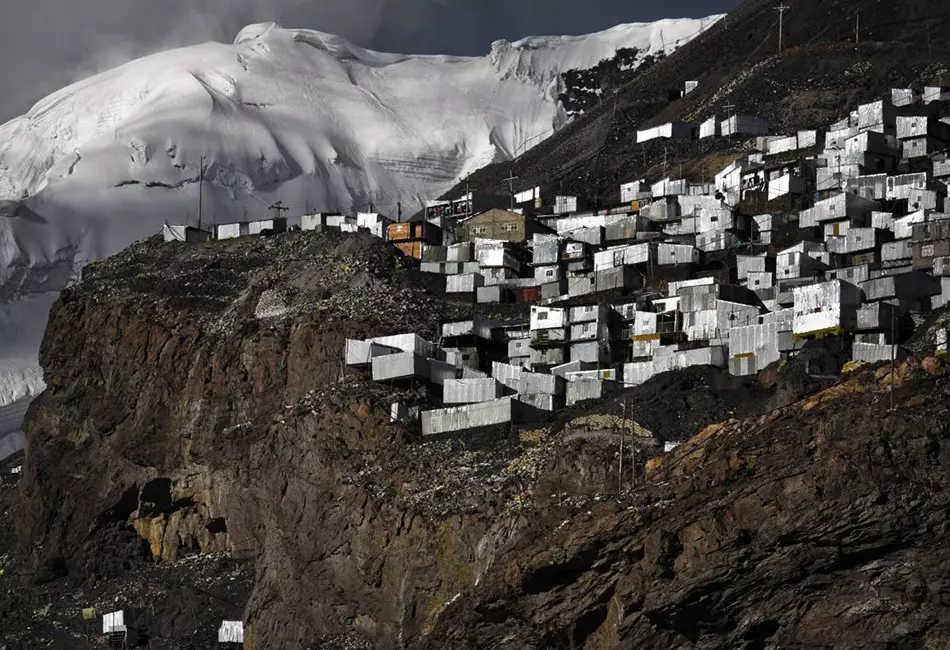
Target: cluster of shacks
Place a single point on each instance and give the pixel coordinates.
(834, 242)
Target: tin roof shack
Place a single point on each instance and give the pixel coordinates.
(878, 317)
(468, 283)
(744, 125)
(402, 367)
(871, 150)
(922, 126)
(508, 375)
(872, 188)
(668, 359)
(469, 417)
(534, 198)
(644, 334)
(635, 191)
(746, 264)
(585, 390)
(471, 391)
(185, 234)
(669, 187)
(879, 116)
(549, 335)
(919, 192)
(121, 628)
(231, 632)
(498, 254)
(907, 291)
(375, 223)
(853, 274)
(855, 241)
(876, 353)
(623, 279)
(710, 310)
(543, 391)
(836, 208)
(904, 96)
(595, 334)
(803, 260)
(826, 309)
(265, 226)
(567, 204)
(316, 221)
(545, 250)
(710, 128)
(933, 94)
(941, 168)
(753, 348)
(929, 241)
(677, 255)
(763, 226)
(231, 230)
(484, 337)
(501, 225)
(626, 229)
(923, 147)
(669, 131)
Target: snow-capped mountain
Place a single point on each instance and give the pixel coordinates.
(296, 115)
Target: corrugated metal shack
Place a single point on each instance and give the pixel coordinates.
(469, 417)
(471, 391)
(828, 308)
(637, 373)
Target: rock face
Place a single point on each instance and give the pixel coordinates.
(820, 525)
(197, 403)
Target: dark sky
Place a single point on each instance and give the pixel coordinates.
(46, 44)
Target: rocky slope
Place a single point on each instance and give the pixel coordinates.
(198, 415)
(820, 76)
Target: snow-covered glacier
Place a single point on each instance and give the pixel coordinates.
(290, 114)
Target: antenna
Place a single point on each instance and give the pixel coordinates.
(781, 9)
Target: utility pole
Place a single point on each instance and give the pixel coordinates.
(201, 184)
(930, 51)
(511, 188)
(857, 29)
(468, 202)
(623, 431)
(633, 449)
(893, 346)
(278, 208)
(781, 9)
(398, 211)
